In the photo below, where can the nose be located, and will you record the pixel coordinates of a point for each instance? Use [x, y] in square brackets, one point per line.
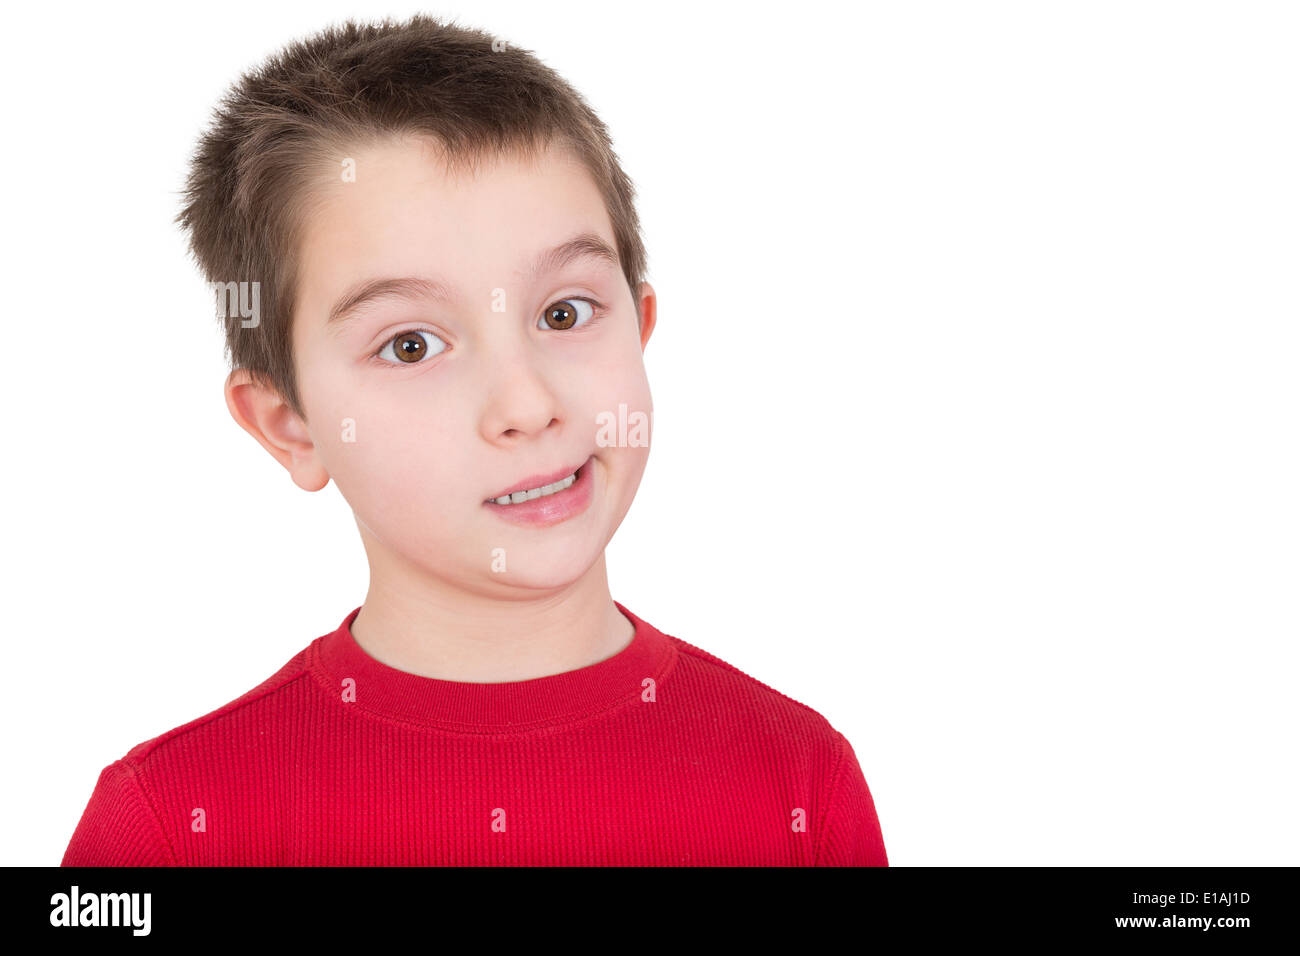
[520, 399]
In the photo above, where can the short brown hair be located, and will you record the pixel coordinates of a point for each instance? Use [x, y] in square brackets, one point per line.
[246, 193]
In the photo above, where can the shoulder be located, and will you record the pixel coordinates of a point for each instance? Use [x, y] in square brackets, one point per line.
[255, 706]
[797, 738]
[125, 822]
[741, 696]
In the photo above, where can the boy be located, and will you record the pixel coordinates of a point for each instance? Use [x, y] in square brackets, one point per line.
[433, 277]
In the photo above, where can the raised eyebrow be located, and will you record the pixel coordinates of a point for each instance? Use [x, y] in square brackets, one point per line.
[407, 287]
[583, 246]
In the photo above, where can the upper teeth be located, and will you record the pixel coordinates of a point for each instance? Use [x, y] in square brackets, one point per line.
[541, 492]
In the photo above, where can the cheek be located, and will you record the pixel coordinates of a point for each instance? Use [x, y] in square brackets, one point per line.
[397, 469]
[621, 380]
[621, 416]
[408, 501]
[411, 498]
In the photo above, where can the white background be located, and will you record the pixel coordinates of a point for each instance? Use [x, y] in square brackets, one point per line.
[975, 384]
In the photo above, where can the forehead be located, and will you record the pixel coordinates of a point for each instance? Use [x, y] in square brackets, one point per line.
[407, 212]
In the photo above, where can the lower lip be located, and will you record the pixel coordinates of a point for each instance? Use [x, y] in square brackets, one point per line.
[550, 509]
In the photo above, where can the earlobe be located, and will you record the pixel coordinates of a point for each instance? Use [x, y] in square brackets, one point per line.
[263, 413]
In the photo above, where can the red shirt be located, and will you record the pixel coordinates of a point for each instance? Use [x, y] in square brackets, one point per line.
[660, 755]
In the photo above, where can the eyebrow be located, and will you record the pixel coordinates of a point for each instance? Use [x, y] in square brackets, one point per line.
[586, 245]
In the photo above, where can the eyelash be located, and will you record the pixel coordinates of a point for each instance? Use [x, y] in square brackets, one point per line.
[597, 313]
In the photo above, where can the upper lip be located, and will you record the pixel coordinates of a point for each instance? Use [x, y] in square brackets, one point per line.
[537, 481]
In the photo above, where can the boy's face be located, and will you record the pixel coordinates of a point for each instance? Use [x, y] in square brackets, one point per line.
[422, 408]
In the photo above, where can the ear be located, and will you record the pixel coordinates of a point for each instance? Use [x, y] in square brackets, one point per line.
[646, 309]
[264, 414]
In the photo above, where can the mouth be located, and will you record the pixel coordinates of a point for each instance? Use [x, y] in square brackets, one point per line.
[538, 486]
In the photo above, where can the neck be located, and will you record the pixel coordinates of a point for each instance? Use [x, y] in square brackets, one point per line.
[430, 628]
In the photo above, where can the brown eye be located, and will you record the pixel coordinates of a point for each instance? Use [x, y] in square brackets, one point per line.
[567, 313]
[410, 348]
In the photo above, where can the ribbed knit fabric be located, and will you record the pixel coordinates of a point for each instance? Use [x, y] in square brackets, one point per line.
[660, 755]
